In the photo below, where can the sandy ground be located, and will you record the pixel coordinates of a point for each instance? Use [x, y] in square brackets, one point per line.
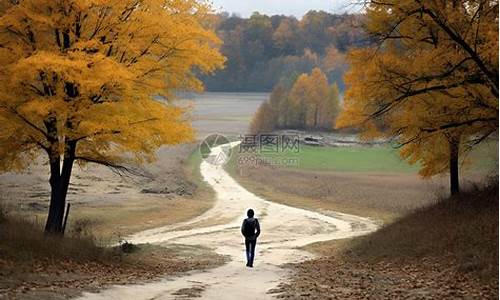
[226, 113]
[95, 185]
[284, 228]
[164, 193]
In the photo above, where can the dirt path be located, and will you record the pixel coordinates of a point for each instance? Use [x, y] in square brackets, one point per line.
[284, 228]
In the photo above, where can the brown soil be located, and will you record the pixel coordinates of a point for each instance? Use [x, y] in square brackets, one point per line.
[45, 279]
[383, 196]
[427, 278]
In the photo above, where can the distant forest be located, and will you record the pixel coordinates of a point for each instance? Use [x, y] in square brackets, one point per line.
[264, 50]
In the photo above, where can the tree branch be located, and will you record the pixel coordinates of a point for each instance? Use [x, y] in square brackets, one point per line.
[492, 75]
[459, 124]
[117, 168]
[24, 119]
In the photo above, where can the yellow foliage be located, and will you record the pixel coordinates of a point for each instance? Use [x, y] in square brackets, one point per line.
[312, 101]
[430, 79]
[101, 74]
[309, 104]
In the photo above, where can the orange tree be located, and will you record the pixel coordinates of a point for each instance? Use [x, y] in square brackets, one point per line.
[90, 81]
[430, 82]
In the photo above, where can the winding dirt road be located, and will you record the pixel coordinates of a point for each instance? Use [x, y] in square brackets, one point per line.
[284, 228]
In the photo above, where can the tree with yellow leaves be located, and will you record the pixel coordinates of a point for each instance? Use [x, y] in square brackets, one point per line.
[90, 81]
[313, 104]
[310, 103]
[430, 83]
[298, 99]
[330, 108]
[318, 97]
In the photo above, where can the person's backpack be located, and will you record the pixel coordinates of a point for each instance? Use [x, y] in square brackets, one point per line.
[249, 228]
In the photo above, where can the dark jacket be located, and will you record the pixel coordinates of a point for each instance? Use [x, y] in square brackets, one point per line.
[250, 229]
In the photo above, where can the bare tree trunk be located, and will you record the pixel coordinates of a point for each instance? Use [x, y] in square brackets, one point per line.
[52, 224]
[454, 175]
[59, 189]
[69, 158]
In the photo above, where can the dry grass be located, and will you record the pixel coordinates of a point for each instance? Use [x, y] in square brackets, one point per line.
[24, 240]
[34, 265]
[377, 195]
[115, 220]
[448, 250]
[463, 228]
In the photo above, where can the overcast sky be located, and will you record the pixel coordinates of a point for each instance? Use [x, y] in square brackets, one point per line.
[282, 7]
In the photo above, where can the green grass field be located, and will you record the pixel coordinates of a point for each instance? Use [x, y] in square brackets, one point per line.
[367, 159]
[355, 159]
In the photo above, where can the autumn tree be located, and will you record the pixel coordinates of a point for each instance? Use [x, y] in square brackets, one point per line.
[278, 101]
[285, 36]
[86, 81]
[297, 101]
[308, 103]
[263, 120]
[330, 108]
[430, 83]
[334, 64]
[318, 97]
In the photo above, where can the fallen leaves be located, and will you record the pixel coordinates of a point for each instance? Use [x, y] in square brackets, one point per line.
[348, 278]
[70, 277]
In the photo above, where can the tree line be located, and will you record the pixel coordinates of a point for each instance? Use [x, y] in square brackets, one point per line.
[262, 49]
[308, 103]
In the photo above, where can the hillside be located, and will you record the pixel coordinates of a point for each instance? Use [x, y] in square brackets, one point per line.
[447, 250]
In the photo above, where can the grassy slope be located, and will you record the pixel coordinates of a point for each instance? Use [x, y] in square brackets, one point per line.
[192, 170]
[463, 226]
[445, 251]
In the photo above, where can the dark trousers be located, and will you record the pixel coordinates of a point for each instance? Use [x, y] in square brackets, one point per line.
[250, 249]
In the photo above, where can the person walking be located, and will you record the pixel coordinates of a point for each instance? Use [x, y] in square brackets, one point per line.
[251, 231]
